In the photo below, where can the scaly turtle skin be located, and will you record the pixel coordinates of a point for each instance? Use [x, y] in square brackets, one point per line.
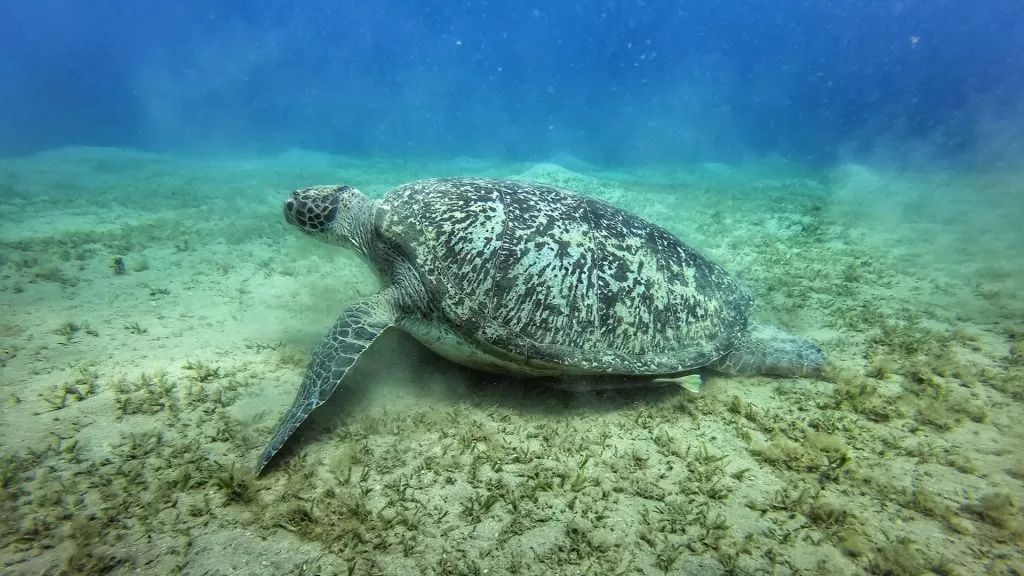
[528, 279]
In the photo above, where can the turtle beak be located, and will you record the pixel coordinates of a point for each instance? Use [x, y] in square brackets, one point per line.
[289, 211]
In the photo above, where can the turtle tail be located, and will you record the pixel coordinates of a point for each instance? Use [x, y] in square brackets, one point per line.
[766, 349]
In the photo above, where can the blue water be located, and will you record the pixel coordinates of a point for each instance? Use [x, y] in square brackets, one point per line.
[608, 82]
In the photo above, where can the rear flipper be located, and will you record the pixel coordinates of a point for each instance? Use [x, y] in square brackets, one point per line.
[768, 350]
[352, 333]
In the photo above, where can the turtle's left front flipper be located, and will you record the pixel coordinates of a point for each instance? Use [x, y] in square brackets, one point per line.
[352, 333]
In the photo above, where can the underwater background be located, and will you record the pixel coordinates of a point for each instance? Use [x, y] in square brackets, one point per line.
[858, 165]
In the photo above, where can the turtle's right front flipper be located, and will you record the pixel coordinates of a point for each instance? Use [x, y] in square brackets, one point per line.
[352, 333]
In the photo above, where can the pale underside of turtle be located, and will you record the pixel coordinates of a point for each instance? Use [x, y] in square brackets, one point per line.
[528, 279]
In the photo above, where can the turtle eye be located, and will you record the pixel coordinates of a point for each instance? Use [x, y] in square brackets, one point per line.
[331, 214]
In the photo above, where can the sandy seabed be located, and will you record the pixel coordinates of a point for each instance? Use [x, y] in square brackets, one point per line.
[135, 400]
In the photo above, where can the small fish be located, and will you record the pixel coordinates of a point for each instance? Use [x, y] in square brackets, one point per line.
[691, 382]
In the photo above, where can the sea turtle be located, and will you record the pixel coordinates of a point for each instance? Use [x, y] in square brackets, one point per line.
[528, 279]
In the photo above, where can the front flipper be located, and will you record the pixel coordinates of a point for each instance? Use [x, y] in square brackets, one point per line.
[352, 333]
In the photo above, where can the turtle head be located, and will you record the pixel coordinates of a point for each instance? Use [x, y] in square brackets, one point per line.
[769, 350]
[340, 215]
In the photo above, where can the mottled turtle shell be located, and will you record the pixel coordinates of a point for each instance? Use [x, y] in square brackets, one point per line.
[550, 279]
